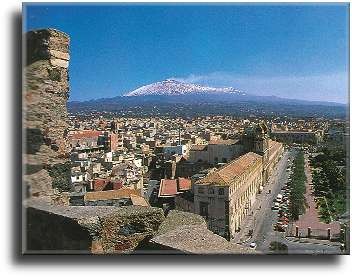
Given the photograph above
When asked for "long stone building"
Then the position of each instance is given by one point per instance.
(225, 196)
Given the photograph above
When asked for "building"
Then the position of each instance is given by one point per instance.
(112, 142)
(256, 139)
(118, 198)
(216, 151)
(224, 196)
(302, 137)
(84, 139)
(169, 151)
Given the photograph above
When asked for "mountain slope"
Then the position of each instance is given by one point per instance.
(174, 87)
(174, 98)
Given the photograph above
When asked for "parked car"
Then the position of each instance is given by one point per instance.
(283, 219)
(283, 224)
(279, 198)
(253, 245)
(276, 206)
(279, 227)
(282, 213)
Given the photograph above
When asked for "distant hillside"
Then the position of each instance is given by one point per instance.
(206, 104)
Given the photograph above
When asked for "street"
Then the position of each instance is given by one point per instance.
(263, 218)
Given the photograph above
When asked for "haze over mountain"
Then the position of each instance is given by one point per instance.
(177, 98)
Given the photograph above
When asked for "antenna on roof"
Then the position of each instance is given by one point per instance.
(179, 135)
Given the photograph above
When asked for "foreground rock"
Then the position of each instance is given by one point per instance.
(176, 219)
(187, 233)
(88, 229)
(198, 240)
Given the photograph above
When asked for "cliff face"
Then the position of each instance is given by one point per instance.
(46, 90)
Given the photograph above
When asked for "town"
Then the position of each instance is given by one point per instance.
(210, 181)
(223, 168)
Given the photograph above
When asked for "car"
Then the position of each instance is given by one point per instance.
(253, 245)
(279, 198)
(281, 213)
(278, 227)
(282, 223)
(276, 206)
(283, 219)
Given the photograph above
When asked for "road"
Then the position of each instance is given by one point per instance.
(263, 218)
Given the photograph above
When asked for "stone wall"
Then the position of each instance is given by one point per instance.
(45, 94)
(88, 230)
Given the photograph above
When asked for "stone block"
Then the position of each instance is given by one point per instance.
(89, 230)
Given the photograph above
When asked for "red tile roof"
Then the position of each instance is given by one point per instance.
(85, 134)
(99, 184)
(224, 175)
(184, 184)
(168, 188)
(117, 184)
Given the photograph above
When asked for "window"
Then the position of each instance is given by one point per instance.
(200, 190)
(203, 209)
(221, 191)
(210, 190)
(211, 200)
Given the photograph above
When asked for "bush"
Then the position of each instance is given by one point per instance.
(278, 247)
(298, 187)
(329, 181)
(61, 174)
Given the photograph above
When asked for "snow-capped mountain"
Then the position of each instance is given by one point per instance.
(174, 87)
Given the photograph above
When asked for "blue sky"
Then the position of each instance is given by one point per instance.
(294, 51)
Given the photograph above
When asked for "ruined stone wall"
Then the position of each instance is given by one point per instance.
(45, 94)
(88, 230)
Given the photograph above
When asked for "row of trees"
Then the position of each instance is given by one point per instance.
(298, 187)
(329, 181)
